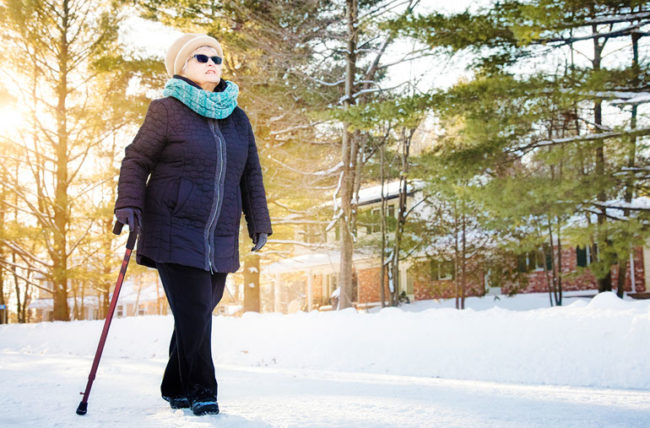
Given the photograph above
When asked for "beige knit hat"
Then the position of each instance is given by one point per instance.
(183, 47)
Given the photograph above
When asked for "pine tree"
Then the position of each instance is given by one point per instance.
(513, 115)
(55, 51)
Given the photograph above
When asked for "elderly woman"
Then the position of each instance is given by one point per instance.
(190, 171)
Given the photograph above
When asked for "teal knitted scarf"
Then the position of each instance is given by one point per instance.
(216, 105)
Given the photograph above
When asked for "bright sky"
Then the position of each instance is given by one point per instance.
(151, 38)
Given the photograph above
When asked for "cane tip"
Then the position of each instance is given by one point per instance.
(82, 409)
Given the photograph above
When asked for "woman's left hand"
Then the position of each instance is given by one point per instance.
(259, 240)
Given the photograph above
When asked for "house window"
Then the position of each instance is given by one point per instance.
(141, 310)
(373, 220)
(328, 286)
(442, 270)
(584, 256)
(535, 260)
(332, 279)
(120, 311)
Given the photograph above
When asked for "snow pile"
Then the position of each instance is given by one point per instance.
(598, 343)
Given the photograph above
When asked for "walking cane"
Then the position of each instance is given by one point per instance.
(130, 244)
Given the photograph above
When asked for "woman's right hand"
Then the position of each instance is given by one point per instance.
(130, 216)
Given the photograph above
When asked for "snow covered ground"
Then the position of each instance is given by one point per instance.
(500, 363)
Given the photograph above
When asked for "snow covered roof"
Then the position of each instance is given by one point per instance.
(306, 261)
(47, 303)
(128, 295)
(371, 194)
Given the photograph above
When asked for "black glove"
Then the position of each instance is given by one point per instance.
(259, 239)
(130, 216)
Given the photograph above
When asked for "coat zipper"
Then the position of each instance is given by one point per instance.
(208, 233)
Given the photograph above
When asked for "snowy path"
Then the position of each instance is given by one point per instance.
(43, 391)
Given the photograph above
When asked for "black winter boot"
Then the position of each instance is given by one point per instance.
(177, 402)
(205, 407)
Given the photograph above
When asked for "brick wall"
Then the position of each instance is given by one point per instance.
(368, 285)
(576, 278)
(317, 298)
(293, 286)
(445, 289)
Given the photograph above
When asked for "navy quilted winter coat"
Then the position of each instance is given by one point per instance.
(192, 176)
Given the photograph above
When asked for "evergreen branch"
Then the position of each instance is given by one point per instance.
(405, 58)
(80, 240)
(28, 281)
(285, 254)
(45, 131)
(300, 243)
(24, 253)
(30, 267)
(45, 221)
(275, 221)
(607, 35)
(338, 215)
(410, 210)
(410, 253)
(79, 18)
(609, 216)
(286, 207)
(640, 98)
(580, 138)
(613, 19)
(322, 82)
(89, 188)
(326, 172)
(374, 65)
(74, 173)
(620, 207)
(381, 9)
(297, 127)
(594, 124)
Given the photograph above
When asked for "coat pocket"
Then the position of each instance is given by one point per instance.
(224, 246)
(183, 195)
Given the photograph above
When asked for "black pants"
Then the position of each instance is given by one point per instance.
(192, 295)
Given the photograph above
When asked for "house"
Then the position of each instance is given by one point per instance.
(140, 295)
(308, 281)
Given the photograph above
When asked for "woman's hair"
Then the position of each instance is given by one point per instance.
(190, 57)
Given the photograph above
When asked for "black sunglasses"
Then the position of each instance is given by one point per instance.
(204, 58)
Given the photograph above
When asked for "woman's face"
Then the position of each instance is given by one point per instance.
(202, 73)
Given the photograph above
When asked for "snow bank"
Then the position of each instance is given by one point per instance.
(599, 343)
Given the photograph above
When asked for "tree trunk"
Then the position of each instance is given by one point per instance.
(604, 283)
(558, 268)
(456, 257)
(622, 276)
(252, 283)
(26, 299)
(61, 203)
(382, 270)
(463, 284)
(19, 306)
(349, 153)
(401, 211)
(631, 162)
(3, 303)
(82, 305)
